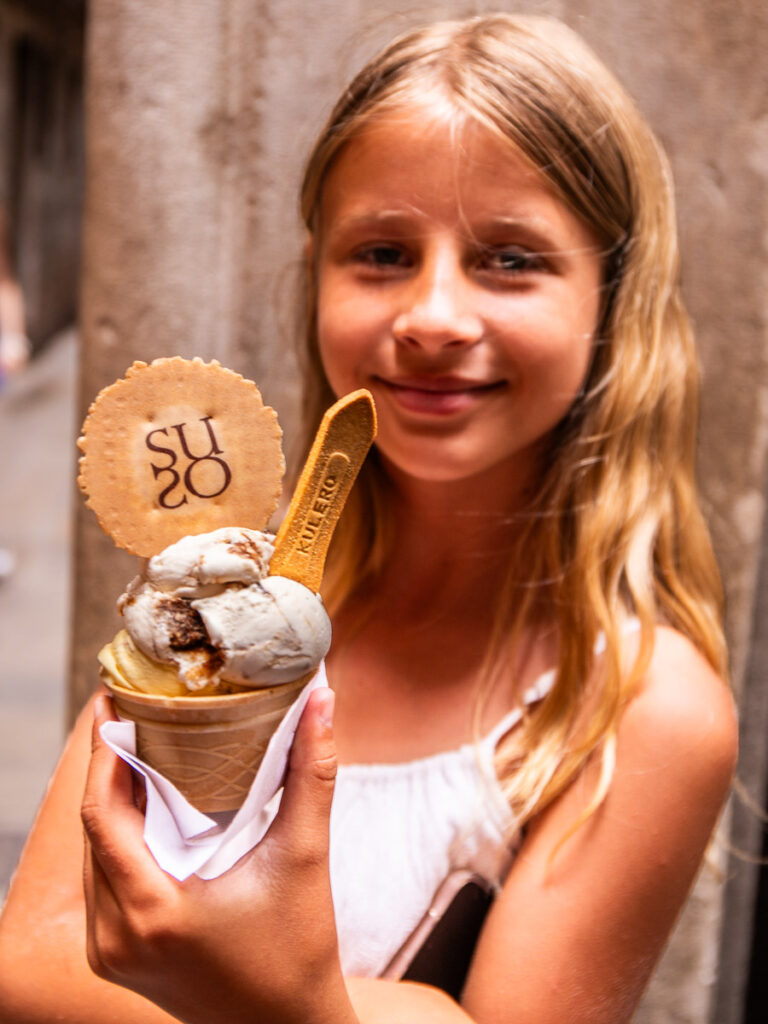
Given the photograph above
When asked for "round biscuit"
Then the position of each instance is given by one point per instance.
(176, 447)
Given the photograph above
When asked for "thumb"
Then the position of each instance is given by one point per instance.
(305, 806)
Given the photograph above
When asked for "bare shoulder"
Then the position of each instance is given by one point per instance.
(684, 712)
(592, 897)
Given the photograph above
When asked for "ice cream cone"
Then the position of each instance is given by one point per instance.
(181, 462)
(210, 748)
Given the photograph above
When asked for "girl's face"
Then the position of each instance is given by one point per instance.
(457, 288)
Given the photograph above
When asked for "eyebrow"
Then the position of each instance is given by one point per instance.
(375, 219)
(534, 231)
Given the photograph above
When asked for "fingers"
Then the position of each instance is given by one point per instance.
(101, 909)
(113, 824)
(306, 803)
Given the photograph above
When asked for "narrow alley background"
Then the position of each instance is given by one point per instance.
(199, 116)
(36, 437)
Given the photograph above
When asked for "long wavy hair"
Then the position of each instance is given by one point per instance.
(615, 530)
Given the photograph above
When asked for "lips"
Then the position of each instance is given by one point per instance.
(438, 396)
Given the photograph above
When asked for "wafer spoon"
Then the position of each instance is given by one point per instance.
(345, 434)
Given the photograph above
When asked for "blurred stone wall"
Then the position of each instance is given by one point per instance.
(198, 117)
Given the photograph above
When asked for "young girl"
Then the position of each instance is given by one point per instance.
(527, 651)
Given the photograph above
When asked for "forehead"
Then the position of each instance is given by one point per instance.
(416, 144)
(426, 161)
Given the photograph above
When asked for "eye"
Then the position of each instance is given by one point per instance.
(512, 260)
(382, 256)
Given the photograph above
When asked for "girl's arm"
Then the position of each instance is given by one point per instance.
(571, 940)
(257, 943)
(201, 948)
(45, 975)
(575, 933)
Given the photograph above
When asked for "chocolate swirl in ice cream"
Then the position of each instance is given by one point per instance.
(206, 613)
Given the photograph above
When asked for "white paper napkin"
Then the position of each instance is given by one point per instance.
(183, 840)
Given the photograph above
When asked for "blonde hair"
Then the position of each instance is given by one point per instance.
(615, 530)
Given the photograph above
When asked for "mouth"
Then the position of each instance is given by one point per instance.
(438, 396)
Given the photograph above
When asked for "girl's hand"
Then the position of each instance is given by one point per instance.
(258, 943)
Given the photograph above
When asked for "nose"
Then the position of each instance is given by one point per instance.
(437, 310)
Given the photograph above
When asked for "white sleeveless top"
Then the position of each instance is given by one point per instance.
(398, 831)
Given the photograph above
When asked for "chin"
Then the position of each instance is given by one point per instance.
(436, 467)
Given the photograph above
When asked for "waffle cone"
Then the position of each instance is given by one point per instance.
(210, 748)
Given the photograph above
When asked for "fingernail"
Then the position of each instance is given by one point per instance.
(326, 701)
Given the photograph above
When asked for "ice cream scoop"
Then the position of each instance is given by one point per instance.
(210, 619)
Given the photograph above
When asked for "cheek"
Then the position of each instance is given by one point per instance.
(330, 338)
(554, 350)
(333, 363)
(582, 347)
(572, 342)
(349, 329)
(338, 353)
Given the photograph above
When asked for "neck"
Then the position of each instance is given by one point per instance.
(413, 646)
(460, 533)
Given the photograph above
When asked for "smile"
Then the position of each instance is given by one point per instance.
(438, 396)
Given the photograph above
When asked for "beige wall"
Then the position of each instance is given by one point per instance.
(199, 115)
